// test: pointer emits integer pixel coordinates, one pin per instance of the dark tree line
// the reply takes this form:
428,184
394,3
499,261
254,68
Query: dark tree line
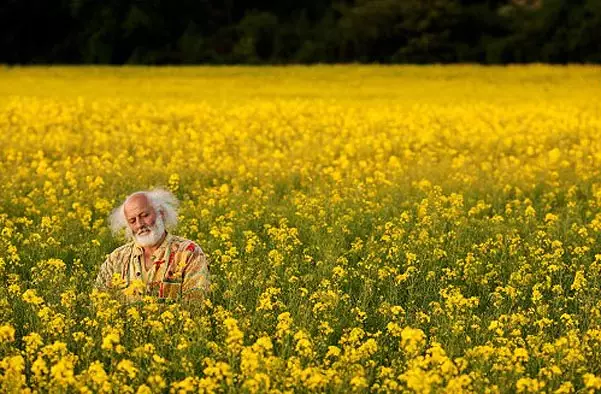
300,31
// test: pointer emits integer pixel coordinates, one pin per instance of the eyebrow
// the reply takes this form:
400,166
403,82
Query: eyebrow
134,216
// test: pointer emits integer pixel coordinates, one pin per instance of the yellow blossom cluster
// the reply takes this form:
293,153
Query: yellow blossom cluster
369,229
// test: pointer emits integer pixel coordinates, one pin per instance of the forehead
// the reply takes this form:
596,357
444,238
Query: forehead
137,204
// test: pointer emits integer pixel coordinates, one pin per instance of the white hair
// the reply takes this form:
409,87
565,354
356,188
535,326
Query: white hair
163,202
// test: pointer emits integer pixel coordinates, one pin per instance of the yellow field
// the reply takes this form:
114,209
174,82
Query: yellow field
371,229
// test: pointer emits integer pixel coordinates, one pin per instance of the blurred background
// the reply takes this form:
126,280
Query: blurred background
301,31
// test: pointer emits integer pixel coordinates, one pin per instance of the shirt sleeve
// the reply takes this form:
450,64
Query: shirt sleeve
105,275
196,282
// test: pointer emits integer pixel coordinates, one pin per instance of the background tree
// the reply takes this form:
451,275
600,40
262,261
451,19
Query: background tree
306,31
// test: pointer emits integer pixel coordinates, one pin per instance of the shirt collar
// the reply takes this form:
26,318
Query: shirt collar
139,250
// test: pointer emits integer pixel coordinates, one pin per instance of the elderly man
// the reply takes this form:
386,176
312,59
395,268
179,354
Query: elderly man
155,262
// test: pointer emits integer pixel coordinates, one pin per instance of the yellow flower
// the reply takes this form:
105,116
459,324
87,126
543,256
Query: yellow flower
520,355
591,381
110,339
188,385
268,299
13,379
530,212
97,374
333,352
304,347
31,297
143,389
33,341
529,385
39,368
284,325
234,336
394,329
128,368
263,344
157,381
579,281
412,339
62,372
7,333
358,383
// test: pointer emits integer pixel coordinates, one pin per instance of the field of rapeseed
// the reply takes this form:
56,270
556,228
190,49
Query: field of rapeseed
369,229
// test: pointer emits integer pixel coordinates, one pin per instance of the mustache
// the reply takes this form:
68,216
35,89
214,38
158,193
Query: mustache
145,228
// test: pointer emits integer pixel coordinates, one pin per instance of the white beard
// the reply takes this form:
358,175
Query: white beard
154,235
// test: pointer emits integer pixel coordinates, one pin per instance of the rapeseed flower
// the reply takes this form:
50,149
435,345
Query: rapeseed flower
426,229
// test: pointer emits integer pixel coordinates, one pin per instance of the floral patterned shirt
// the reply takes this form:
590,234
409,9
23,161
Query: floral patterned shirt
179,271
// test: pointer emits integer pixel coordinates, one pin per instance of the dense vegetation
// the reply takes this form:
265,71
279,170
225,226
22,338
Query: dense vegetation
417,229
306,31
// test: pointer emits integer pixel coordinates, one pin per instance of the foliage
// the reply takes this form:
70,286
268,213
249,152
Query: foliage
268,32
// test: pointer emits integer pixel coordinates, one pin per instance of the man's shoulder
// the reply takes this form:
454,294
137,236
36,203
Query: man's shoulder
122,249
183,244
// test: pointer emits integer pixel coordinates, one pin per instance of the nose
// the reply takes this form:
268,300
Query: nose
138,224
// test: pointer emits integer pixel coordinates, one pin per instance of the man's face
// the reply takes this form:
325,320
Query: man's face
145,224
